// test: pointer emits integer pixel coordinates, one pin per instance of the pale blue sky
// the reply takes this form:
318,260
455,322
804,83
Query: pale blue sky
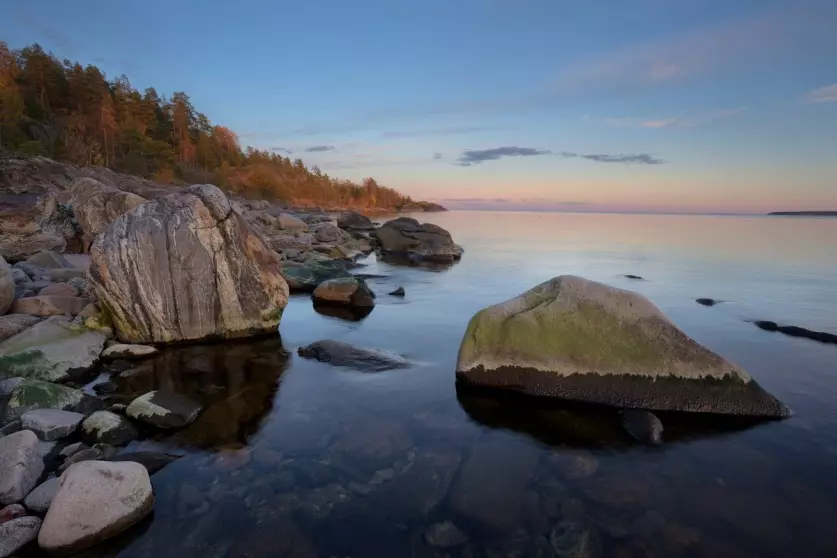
668,104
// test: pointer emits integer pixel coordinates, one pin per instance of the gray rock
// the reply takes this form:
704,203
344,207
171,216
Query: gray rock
39,499
11,428
24,394
326,232
89,454
82,287
46,447
12,511
12,324
163,409
290,223
444,535
72,449
7,286
187,267
337,353
345,291
20,466
19,275
58,289
51,350
51,424
49,305
575,339
96,205
48,259
96,500
644,426
305,277
398,292
128,352
153,461
17,533
109,428
354,221
406,237
108,451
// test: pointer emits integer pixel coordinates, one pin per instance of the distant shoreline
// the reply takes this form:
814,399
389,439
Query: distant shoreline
804,213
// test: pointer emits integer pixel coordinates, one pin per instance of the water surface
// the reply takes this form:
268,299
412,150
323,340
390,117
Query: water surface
295,458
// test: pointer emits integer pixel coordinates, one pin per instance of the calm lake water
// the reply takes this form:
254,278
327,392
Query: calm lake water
295,458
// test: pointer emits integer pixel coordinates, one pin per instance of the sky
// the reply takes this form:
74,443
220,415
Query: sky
614,105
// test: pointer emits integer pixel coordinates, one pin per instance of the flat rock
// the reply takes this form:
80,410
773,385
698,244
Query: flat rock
128,352
644,426
52,349
345,291
406,237
153,461
95,501
49,305
12,324
17,533
163,409
7,286
20,466
51,424
570,338
186,267
108,428
23,394
58,289
41,497
338,353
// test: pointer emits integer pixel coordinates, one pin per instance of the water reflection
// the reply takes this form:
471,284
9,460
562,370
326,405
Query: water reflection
401,260
346,313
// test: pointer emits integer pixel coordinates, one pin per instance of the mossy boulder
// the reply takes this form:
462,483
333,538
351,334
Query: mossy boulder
575,339
19,395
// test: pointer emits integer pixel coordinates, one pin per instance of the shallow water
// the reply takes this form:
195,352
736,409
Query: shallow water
295,458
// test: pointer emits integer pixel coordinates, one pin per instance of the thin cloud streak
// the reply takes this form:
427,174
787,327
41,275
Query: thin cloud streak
672,122
476,156
319,148
827,94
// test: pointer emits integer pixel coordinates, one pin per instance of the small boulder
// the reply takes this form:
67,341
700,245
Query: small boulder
17,533
23,394
346,291
398,292
7,286
288,222
164,409
128,352
58,289
49,305
575,339
72,449
354,221
48,259
51,424
644,426
326,232
20,466
634,277
305,277
39,499
53,350
405,237
19,275
95,501
109,428
337,353
444,535
12,324
87,454
12,511
707,301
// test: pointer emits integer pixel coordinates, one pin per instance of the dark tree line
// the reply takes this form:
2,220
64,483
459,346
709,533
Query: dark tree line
73,113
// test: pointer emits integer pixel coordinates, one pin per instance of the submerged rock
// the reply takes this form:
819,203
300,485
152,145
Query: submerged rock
187,267
794,331
337,353
53,350
20,466
406,237
575,339
163,409
644,426
347,291
51,424
153,461
95,501
444,535
17,533
569,538
634,277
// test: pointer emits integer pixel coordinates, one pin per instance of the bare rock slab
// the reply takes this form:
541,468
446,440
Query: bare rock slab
338,353
95,501
20,466
12,324
17,533
575,339
51,424
128,352
163,409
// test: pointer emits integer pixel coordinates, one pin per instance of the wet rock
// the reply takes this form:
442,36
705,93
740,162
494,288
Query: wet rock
354,221
406,237
794,331
72,449
108,428
232,459
53,350
24,395
373,445
20,466
645,427
88,454
186,267
305,277
12,511
95,501
346,291
617,491
51,424
491,485
12,324
7,286
398,292
17,533
444,535
49,305
163,409
128,352
153,461
634,277
337,353
570,338
707,301
572,539
40,499
574,466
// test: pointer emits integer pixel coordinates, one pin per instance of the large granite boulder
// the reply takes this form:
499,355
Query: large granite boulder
575,339
95,501
20,466
19,395
186,267
53,350
7,286
96,205
30,224
354,221
407,238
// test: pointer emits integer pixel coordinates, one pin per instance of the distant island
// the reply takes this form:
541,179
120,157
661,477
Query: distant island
804,213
